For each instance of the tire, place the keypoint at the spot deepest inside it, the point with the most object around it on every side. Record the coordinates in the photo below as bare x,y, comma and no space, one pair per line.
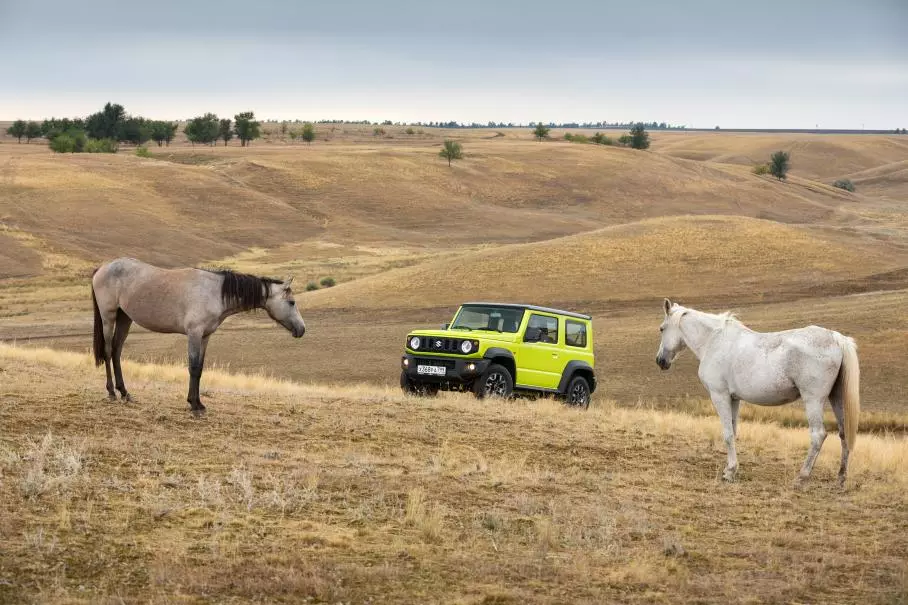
578,393
417,388
496,381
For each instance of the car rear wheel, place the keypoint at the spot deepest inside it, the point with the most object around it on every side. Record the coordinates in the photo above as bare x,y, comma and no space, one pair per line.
496,381
578,392
420,389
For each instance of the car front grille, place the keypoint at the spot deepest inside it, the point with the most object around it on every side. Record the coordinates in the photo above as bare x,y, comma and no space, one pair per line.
437,344
435,361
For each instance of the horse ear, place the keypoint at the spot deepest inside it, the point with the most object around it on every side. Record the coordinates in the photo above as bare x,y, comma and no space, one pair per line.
287,282
668,306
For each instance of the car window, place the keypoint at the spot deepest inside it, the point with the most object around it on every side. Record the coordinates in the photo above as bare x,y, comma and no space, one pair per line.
545,327
575,333
496,319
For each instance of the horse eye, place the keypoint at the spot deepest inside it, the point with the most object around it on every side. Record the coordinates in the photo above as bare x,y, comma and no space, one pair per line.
291,302
662,328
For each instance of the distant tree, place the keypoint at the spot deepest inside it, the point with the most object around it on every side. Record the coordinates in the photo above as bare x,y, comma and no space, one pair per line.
163,132
225,130
451,151
203,129
106,124
601,139
541,132
778,165
625,140
639,136
135,130
18,129
32,131
308,133
283,127
247,129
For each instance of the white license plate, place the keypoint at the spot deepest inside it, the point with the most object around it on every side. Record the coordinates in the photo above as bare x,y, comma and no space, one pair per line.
431,370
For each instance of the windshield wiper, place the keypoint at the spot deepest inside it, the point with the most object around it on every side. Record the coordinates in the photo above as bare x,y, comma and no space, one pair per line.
461,328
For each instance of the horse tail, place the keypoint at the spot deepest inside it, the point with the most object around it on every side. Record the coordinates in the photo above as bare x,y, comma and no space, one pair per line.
99,345
850,376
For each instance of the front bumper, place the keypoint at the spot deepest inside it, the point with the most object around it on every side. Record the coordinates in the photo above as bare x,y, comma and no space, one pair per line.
461,371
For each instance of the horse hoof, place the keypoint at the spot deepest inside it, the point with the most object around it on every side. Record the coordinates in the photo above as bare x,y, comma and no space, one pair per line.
111,397
127,398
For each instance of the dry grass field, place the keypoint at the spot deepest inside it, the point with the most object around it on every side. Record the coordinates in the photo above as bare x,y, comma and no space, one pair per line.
313,478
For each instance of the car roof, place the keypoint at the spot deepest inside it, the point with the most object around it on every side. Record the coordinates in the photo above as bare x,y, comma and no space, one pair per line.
531,308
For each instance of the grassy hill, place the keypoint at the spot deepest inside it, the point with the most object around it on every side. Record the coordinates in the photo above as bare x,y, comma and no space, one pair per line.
288,492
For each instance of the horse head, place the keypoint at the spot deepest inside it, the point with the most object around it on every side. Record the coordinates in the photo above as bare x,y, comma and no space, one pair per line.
281,307
672,340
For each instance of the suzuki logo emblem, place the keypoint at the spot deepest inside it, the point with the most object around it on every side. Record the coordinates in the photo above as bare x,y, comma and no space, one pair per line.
438,344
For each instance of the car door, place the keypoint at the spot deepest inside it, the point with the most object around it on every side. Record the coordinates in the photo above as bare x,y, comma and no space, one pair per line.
539,361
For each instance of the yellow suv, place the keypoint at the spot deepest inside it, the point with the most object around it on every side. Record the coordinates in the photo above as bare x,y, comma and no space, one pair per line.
494,349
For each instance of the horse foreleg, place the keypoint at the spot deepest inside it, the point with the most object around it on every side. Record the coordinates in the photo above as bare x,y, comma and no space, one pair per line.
814,407
727,415
197,346
735,406
122,330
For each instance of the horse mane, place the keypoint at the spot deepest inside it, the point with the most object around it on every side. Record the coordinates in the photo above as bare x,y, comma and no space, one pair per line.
245,291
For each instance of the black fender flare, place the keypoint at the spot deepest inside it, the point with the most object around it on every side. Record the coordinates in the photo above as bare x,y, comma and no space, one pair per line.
570,369
498,352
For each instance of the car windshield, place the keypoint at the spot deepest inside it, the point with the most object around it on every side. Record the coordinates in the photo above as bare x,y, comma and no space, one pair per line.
493,319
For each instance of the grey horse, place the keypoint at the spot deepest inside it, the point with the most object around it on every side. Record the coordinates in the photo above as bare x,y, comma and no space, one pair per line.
193,302
773,368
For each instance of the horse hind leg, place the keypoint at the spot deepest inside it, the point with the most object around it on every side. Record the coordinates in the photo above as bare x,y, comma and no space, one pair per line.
109,325
727,412
837,400
814,408
122,331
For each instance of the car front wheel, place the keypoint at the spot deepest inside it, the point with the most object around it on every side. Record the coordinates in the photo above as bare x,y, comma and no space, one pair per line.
578,392
496,381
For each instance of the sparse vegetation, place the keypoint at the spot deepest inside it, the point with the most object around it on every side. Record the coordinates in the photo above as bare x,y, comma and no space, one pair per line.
541,132
576,138
451,150
761,169
845,184
601,139
143,152
410,131
378,131
102,146
311,286
778,165
308,133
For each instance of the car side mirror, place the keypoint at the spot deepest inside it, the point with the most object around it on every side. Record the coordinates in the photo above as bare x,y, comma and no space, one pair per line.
532,335
446,326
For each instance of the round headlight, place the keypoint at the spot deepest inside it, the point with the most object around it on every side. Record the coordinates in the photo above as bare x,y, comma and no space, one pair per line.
414,343
466,346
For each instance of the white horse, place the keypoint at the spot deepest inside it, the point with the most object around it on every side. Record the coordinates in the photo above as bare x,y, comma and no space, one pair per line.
773,368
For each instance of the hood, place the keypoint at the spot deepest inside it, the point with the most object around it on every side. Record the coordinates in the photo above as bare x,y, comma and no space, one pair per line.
482,335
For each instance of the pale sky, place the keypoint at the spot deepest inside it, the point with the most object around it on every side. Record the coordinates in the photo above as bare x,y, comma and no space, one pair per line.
733,63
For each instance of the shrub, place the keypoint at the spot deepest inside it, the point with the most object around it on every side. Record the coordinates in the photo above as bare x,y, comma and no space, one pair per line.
541,132
639,136
143,152
410,131
845,184
311,286
327,282
625,140
579,138
308,133
378,131
451,151
101,146
601,139
761,169
778,165
63,143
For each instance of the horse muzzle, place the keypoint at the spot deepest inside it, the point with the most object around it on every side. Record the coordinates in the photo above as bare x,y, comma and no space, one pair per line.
663,362
298,332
